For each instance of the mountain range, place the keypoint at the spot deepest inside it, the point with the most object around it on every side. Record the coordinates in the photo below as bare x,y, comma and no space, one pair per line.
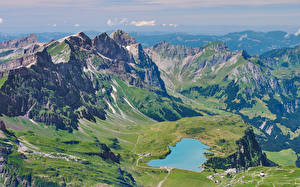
252,41
88,102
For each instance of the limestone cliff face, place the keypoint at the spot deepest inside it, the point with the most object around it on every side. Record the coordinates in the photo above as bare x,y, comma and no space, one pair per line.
56,94
108,47
64,80
14,58
122,38
127,58
19,42
249,154
171,61
18,63
211,64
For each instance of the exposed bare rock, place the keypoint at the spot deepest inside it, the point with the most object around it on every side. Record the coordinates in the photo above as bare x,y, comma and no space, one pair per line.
130,62
110,48
249,154
79,40
63,80
2,126
19,42
19,62
122,38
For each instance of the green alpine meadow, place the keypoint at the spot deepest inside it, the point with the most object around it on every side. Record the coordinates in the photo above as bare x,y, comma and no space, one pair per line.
149,93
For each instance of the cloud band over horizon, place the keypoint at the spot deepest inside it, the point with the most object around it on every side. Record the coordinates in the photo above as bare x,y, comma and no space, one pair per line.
142,14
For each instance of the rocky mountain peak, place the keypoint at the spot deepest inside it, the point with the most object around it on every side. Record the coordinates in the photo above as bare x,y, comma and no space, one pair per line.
162,45
174,50
122,38
80,39
19,42
83,36
217,46
109,47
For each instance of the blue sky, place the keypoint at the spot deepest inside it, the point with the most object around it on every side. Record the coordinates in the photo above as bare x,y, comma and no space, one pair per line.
197,16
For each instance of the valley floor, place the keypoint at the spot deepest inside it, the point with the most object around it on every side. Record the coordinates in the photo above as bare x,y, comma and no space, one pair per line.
49,156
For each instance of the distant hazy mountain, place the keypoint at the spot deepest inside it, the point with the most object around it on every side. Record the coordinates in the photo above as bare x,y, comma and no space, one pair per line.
251,41
45,36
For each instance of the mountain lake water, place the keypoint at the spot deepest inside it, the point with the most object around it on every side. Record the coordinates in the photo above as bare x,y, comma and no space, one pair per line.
188,154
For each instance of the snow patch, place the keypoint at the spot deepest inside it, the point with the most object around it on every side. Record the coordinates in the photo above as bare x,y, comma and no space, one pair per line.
32,121
263,125
243,37
111,108
114,88
287,35
128,103
297,33
114,97
115,82
269,130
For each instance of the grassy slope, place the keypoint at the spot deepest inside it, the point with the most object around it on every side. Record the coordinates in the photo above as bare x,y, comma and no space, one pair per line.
133,139
3,80
59,52
275,176
180,178
286,157
46,140
136,134
259,109
209,130
56,48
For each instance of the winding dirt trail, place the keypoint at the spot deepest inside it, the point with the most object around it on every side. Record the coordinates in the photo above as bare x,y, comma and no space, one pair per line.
169,169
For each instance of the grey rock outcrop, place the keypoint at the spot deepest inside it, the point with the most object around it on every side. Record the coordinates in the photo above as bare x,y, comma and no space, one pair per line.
46,87
19,42
122,38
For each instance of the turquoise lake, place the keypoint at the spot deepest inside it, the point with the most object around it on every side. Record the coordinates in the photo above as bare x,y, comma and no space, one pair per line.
188,154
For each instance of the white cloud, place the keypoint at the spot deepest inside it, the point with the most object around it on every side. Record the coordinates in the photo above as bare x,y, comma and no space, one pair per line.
170,25
123,21
54,25
173,25
143,23
209,3
76,25
110,22
170,3
1,20
297,33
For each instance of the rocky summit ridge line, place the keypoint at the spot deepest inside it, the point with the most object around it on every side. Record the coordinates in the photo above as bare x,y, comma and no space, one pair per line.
74,75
